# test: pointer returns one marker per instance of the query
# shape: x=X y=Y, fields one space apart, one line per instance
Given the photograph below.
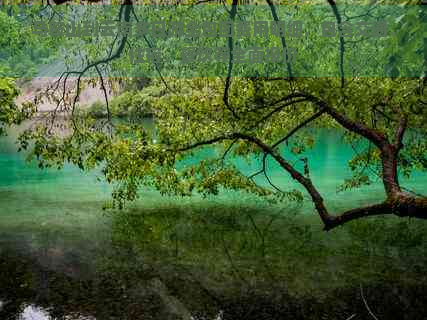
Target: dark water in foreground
x=225 y=257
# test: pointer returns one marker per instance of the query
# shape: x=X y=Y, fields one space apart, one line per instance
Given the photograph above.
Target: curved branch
x=225 y=98
x=372 y=210
x=400 y=132
x=402 y=206
x=155 y=65
x=276 y=18
x=366 y=304
x=342 y=44
x=300 y=126
x=357 y=127
x=396 y=203
x=295 y=174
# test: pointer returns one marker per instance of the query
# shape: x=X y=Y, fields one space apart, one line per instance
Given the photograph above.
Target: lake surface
x=54 y=235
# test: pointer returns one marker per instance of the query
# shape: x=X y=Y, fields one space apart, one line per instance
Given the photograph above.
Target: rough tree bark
x=397 y=202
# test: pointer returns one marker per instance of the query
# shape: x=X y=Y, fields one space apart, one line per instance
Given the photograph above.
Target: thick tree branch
x=400 y=133
x=295 y=174
x=396 y=203
x=357 y=127
x=372 y=210
x=402 y=206
x=287 y=137
x=389 y=152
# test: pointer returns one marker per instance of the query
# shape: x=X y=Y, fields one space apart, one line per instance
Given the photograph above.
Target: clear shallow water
x=24 y=186
x=54 y=219
x=71 y=201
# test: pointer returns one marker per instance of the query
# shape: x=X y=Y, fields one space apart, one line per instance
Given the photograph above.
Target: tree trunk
x=390 y=170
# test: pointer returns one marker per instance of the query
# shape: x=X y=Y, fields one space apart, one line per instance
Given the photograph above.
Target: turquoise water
x=66 y=205
x=28 y=193
x=53 y=230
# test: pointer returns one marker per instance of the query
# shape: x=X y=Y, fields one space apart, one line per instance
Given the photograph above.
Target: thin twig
x=366 y=303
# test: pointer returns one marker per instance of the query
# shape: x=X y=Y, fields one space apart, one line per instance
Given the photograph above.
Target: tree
x=10 y=113
x=250 y=116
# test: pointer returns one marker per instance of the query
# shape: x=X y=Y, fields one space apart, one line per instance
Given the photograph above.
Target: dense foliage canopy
x=250 y=116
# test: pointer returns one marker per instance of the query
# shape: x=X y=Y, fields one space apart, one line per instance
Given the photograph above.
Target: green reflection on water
x=51 y=223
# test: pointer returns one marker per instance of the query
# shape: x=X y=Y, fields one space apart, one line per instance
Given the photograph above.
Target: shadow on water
x=155 y=264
